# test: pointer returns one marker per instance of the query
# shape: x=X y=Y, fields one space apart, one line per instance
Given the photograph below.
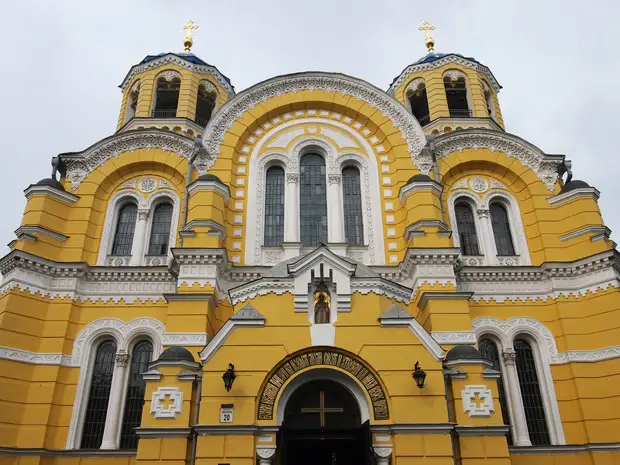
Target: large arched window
x=419 y=104
x=466 y=229
x=274 y=206
x=489 y=352
x=166 y=97
x=125 y=228
x=352 y=206
x=456 y=93
x=205 y=104
x=313 y=200
x=99 y=395
x=530 y=392
x=140 y=358
x=501 y=229
x=160 y=230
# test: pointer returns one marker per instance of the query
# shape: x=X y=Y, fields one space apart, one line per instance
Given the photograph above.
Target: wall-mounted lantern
x=419 y=375
x=229 y=377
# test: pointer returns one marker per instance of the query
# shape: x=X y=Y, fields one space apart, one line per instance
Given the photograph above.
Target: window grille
x=467 y=229
x=530 y=391
x=98 y=396
x=125 y=227
x=160 y=230
x=313 y=200
x=489 y=352
x=274 y=206
x=352 y=206
x=501 y=230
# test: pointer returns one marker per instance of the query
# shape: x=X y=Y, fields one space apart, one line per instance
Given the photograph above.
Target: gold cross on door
x=322 y=410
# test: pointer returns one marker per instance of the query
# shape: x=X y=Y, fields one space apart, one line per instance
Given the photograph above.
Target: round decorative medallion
x=147 y=185
x=479 y=185
x=312 y=129
x=472 y=262
x=118 y=262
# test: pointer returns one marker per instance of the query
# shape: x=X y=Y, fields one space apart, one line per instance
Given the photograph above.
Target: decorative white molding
x=32 y=232
x=479 y=185
x=184 y=339
x=200 y=185
x=413 y=187
x=454 y=74
x=64 y=197
x=80 y=165
x=233 y=109
x=546 y=167
x=171 y=58
x=24 y=356
x=452 y=58
x=477 y=400
x=158 y=402
x=581 y=193
x=168 y=75
x=594 y=231
x=208 y=85
x=413 y=85
x=454 y=337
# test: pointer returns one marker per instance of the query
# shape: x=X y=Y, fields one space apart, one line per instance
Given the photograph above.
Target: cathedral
x=310 y=271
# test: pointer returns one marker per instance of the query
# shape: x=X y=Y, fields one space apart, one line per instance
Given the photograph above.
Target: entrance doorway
x=322 y=426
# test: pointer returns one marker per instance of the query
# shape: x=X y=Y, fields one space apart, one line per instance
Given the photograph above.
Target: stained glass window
x=313 y=200
x=160 y=230
x=352 y=205
x=467 y=229
x=274 y=206
x=98 y=396
x=501 y=230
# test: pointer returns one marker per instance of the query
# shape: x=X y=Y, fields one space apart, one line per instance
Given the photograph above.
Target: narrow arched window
x=166 y=97
x=530 y=392
x=313 y=200
x=488 y=99
x=134 y=399
x=501 y=230
x=98 y=395
x=125 y=228
x=489 y=352
x=418 y=102
x=352 y=206
x=466 y=229
x=456 y=93
x=160 y=230
x=132 y=101
x=205 y=104
x=274 y=206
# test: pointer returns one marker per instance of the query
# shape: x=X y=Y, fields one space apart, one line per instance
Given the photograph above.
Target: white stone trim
x=63 y=197
x=200 y=185
x=454 y=337
x=158 y=397
x=592 y=230
x=32 y=232
x=581 y=193
x=335 y=160
x=546 y=167
x=323 y=374
x=545 y=352
x=33 y=358
x=517 y=230
x=420 y=333
x=470 y=407
x=232 y=110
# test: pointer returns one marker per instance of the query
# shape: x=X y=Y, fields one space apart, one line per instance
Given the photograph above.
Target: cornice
x=232 y=110
x=62 y=196
x=80 y=164
x=448 y=59
x=32 y=232
x=416 y=186
x=200 y=185
x=596 y=232
x=170 y=58
x=566 y=449
x=546 y=167
x=581 y=193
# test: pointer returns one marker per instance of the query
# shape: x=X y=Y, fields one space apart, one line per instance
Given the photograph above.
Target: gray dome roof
x=419 y=178
x=50 y=182
x=463 y=353
x=576 y=184
x=210 y=177
x=176 y=354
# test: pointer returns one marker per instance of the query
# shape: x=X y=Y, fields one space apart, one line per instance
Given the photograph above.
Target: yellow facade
x=415 y=290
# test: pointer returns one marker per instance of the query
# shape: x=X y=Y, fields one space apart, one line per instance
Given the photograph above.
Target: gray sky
x=558 y=63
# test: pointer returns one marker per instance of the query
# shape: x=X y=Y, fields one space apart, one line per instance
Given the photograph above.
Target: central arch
x=322 y=363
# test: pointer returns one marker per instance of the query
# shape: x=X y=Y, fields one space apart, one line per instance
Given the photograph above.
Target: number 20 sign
x=226 y=413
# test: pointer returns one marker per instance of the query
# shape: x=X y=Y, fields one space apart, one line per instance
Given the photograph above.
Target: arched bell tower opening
x=323 y=424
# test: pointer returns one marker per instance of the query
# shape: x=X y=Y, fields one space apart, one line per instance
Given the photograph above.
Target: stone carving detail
x=167 y=402
x=479 y=185
x=496 y=184
x=382 y=452
x=508 y=261
x=477 y=401
x=509 y=357
x=462 y=184
x=147 y=185
x=334 y=178
x=117 y=261
x=235 y=108
x=208 y=86
x=529 y=156
x=454 y=74
x=413 y=85
x=292 y=177
x=482 y=213
x=143 y=214
x=80 y=166
x=271 y=257
x=289 y=366
x=169 y=75
x=121 y=359
x=266 y=453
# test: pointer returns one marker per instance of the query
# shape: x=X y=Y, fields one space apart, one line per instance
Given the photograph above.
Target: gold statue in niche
x=321 y=302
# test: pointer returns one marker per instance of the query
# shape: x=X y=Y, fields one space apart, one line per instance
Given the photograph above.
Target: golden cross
x=188 y=40
x=322 y=410
x=430 y=43
x=167 y=402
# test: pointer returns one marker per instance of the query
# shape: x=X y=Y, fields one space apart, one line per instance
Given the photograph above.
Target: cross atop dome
x=189 y=40
x=430 y=42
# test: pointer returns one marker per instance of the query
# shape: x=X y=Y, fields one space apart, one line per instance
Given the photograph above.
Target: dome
x=576 y=184
x=50 y=182
x=176 y=354
x=184 y=56
x=419 y=178
x=430 y=57
x=210 y=177
x=463 y=353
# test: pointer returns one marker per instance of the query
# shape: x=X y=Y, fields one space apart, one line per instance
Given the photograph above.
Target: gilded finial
x=189 y=40
x=430 y=42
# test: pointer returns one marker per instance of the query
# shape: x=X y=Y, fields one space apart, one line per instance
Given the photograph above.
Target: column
x=265 y=454
x=513 y=392
x=139 y=238
x=382 y=454
x=112 y=419
x=486 y=236
x=291 y=208
x=335 y=220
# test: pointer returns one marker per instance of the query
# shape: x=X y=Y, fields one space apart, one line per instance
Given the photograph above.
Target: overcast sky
x=558 y=63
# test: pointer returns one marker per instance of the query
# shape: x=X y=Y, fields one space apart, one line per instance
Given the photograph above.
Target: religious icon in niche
x=322 y=302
